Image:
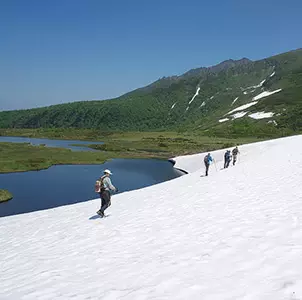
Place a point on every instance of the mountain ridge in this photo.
(195, 100)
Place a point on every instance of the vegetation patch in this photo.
(17, 157)
(5, 195)
(20, 157)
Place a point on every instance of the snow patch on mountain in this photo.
(234, 100)
(272, 121)
(272, 74)
(197, 92)
(266, 94)
(261, 115)
(223, 120)
(239, 115)
(260, 84)
(173, 105)
(248, 92)
(202, 104)
(254, 86)
(242, 107)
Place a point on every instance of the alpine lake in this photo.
(68, 184)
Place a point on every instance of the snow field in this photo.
(236, 234)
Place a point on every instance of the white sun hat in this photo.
(107, 171)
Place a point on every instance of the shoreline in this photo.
(173, 162)
(82, 164)
(24, 157)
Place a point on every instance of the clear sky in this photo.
(68, 50)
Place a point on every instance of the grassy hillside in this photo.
(168, 103)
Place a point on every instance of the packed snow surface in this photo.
(261, 115)
(242, 107)
(266, 94)
(234, 235)
(197, 91)
(272, 74)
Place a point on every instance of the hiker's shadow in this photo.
(94, 217)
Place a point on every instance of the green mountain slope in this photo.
(196, 100)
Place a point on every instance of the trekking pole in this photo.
(215, 164)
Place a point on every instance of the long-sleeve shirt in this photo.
(108, 185)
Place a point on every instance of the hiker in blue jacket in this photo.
(227, 158)
(106, 187)
(207, 160)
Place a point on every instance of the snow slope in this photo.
(236, 234)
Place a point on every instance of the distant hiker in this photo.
(235, 153)
(227, 158)
(207, 160)
(103, 187)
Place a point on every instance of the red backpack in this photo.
(99, 185)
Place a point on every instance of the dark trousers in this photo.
(226, 163)
(207, 168)
(105, 198)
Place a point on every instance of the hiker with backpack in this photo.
(103, 186)
(235, 153)
(227, 159)
(207, 160)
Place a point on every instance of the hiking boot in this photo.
(100, 213)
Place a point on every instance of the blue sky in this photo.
(68, 50)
